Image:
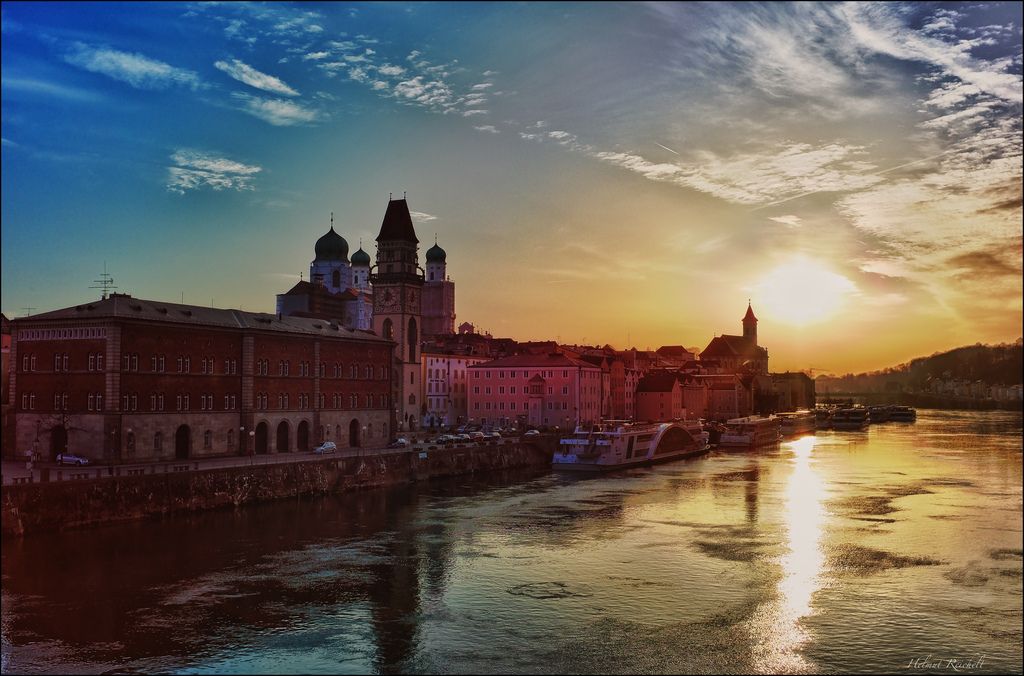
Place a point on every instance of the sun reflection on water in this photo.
(777, 627)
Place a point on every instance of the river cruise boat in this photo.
(797, 423)
(903, 414)
(880, 414)
(822, 418)
(617, 445)
(851, 419)
(751, 431)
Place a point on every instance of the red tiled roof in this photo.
(732, 346)
(123, 306)
(658, 381)
(550, 360)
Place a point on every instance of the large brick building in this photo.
(125, 379)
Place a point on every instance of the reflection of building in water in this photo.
(750, 493)
(394, 592)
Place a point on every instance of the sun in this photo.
(803, 291)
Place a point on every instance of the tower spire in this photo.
(332, 220)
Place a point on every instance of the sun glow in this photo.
(803, 291)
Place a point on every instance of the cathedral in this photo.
(395, 298)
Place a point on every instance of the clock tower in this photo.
(397, 282)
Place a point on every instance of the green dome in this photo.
(360, 257)
(331, 247)
(436, 254)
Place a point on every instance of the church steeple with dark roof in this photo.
(750, 325)
(397, 225)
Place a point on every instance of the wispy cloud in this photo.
(193, 169)
(490, 128)
(46, 88)
(246, 74)
(137, 70)
(790, 220)
(278, 112)
(420, 216)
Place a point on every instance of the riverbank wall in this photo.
(36, 508)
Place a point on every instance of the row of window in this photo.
(262, 401)
(130, 363)
(442, 403)
(51, 334)
(130, 402)
(439, 387)
(534, 389)
(500, 406)
(355, 371)
(440, 374)
(543, 374)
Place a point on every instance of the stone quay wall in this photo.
(36, 508)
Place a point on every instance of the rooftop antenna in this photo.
(390, 196)
(332, 220)
(403, 194)
(105, 282)
(182, 297)
(28, 311)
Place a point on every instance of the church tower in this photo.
(750, 326)
(397, 296)
(438, 295)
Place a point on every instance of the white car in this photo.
(71, 459)
(326, 447)
(531, 433)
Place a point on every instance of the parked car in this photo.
(493, 435)
(463, 437)
(326, 447)
(399, 443)
(476, 436)
(531, 433)
(71, 459)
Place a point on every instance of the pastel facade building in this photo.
(446, 379)
(127, 380)
(535, 389)
(727, 397)
(659, 397)
(794, 391)
(624, 380)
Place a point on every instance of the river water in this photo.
(894, 549)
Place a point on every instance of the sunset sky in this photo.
(597, 173)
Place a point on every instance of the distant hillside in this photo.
(991, 364)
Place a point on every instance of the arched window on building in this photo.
(158, 442)
(231, 439)
(336, 279)
(389, 329)
(207, 440)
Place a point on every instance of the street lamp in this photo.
(241, 437)
(252, 445)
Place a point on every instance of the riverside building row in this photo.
(127, 380)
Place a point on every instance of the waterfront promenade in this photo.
(16, 472)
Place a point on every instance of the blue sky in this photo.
(602, 172)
